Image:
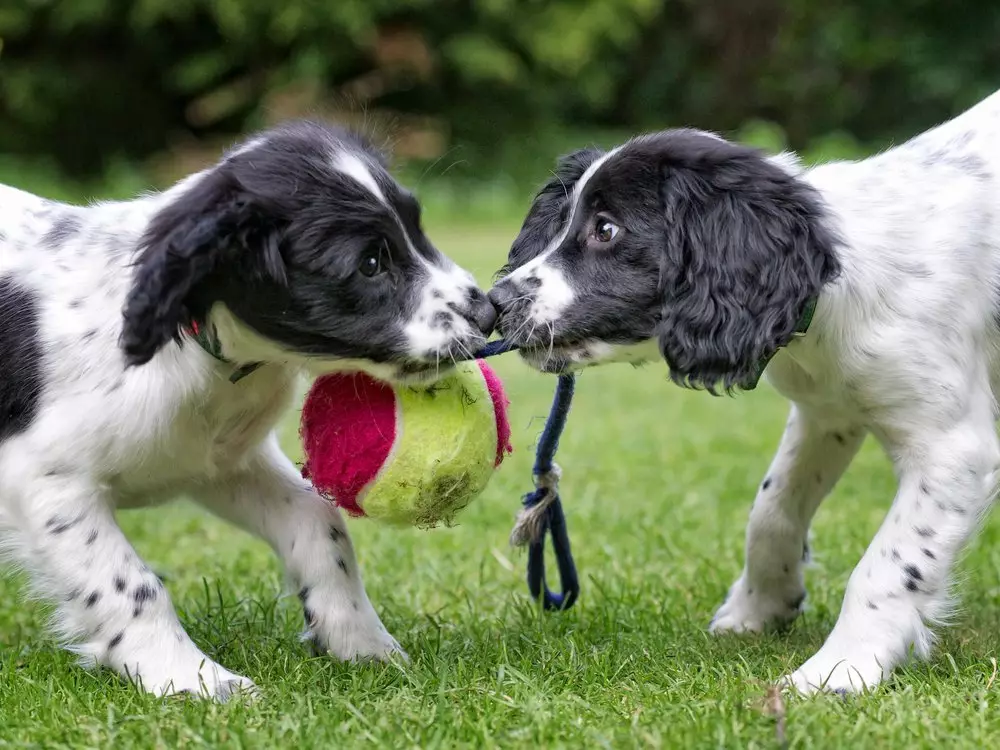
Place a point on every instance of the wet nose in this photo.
(502, 295)
(483, 313)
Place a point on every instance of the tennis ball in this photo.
(407, 456)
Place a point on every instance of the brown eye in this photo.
(374, 260)
(605, 230)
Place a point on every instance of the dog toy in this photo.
(405, 456)
(542, 511)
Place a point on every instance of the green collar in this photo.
(209, 341)
(800, 329)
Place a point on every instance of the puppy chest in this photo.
(206, 438)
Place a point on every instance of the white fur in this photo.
(446, 288)
(107, 437)
(352, 165)
(904, 345)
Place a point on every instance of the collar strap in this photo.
(805, 320)
(208, 340)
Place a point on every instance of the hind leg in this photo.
(110, 606)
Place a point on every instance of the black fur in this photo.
(720, 252)
(747, 246)
(277, 234)
(20, 358)
(549, 209)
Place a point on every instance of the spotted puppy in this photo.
(296, 252)
(868, 290)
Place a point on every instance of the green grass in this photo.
(657, 485)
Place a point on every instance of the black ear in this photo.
(748, 248)
(546, 215)
(210, 225)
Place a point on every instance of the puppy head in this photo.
(301, 247)
(679, 242)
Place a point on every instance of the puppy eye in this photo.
(374, 260)
(605, 230)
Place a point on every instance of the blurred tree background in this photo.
(478, 94)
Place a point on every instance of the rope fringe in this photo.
(532, 519)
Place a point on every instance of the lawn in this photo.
(657, 486)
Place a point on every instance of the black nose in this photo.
(502, 295)
(483, 312)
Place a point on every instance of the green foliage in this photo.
(498, 86)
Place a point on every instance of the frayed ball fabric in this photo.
(408, 456)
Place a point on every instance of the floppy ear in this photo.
(748, 248)
(545, 217)
(210, 224)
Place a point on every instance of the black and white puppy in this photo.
(869, 290)
(296, 252)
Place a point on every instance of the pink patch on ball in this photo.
(500, 404)
(348, 430)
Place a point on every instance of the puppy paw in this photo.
(834, 671)
(359, 637)
(209, 680)
(750, 610)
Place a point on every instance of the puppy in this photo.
(869, 292)
(149, 348)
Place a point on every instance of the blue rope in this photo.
(554, 520)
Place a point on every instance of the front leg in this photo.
(813, 455)
(270, 499)
(947, 482)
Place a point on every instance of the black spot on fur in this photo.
(75, 304)
(116, 639)
(913, 572)
(20, 352)
(120, 584)
(925, 488)
(895, 554)
(341, 564)
(354, 605)
(60, 526)
(911, 585)
(144, 593)
(785, 568)
(839, 438)
(766, 483)
(93, 599)
(92, 537)
(303, 594)
(928, 553)
(872, 605)
(925, 532)
(62, 229)
(73, 595)
(441, 320)
(310, 617)
(89, 335)
(336, 534)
